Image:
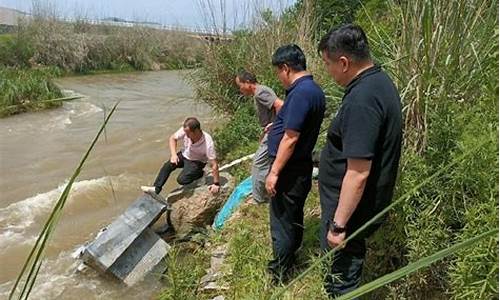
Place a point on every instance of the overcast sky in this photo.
(187, 13)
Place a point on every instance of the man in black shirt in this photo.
(359, 164)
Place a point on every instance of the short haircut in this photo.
(290, 55)
(349, 40)
(192, 123)
(247, 77)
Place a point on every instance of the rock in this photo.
(209, 281)
(194, 205)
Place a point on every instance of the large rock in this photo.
(194, 206)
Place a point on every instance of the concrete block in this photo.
(121, 234)
(143, 256)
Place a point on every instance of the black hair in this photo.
(192, 123)
(290, 55)
(349, 40)
(245, 76)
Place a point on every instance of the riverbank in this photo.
(41, 49)
(451, 114)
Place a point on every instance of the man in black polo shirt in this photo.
(290, 143)
(359, 164)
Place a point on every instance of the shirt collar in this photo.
(201, 140)
(297, 81)
(371, 70)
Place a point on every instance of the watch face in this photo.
(334, 228)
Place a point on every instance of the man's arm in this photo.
(278, 103)
(214, 188)
(352, 189)
(353, 186)
(285, 150)
(215, 170)
(172, 142)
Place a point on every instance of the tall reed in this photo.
(27, 277)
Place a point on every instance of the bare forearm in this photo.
(285, 150)
(215, 171)
(278, 104)
(172, 142)
(352, 189)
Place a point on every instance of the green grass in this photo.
(23, 90)
(185, 267)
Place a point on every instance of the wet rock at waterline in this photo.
(194, 206)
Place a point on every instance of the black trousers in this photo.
(191, 170)
(287, 215)
(345, 269)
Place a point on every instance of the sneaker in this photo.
(148, 189)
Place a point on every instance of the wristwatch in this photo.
(216, 183)
(333, 227)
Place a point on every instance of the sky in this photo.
(187, 13)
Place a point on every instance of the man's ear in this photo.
(285, 68)
(288, 70)
(345, 63)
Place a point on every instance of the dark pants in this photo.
(287, 215)
(191, 170)
(344, 273)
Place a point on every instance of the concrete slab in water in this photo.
(107, 248)
(144, 255)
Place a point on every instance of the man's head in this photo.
(192, 128)
(288, 60)
(345, 51)
(246, 82)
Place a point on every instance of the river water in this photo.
(39, 152)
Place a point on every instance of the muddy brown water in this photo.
(39, 152)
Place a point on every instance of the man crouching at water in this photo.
(198, 148)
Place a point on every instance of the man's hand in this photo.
(174, 159)
(214, 189)
(335, 239)
(271, 180)
(268, 127)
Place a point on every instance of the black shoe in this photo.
(164, 229)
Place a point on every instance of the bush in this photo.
(252, 50)
(450, 100)
(81, 47)
(21, 90)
